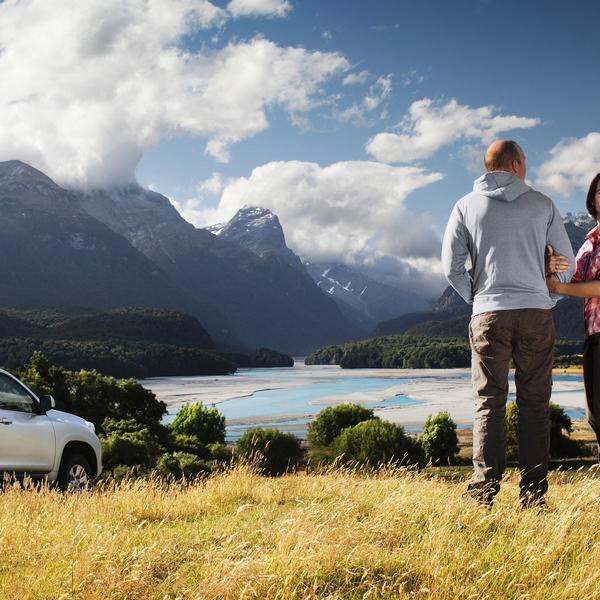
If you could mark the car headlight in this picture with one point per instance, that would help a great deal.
(90, 426)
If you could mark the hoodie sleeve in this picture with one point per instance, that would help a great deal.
(557, 238)
(455, 252)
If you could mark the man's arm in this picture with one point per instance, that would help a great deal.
(559, 240)
(455, 252)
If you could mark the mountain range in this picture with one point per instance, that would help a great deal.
(129, 246)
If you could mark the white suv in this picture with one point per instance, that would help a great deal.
(43, 443)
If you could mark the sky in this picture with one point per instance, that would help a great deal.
(359, 123)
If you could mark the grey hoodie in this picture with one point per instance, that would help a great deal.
(503, 227)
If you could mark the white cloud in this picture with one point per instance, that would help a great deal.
(88, 87)
(430, 125)
(572, 165)
(356, 78)
(258, 8)
(214, 185)
(350, 212)
(378, 93)
(347, 211)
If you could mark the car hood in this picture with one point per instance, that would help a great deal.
(63, 417)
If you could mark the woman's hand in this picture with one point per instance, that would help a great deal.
(555, 263)
(553, 284)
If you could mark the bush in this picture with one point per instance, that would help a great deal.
(439, 440)
(376, 442)
(273, 451)
(207, 425)
(561, 426)
(182, 465)
(330, 422)
(93, 396)
(128, 443)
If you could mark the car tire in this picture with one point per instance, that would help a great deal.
(75, 474)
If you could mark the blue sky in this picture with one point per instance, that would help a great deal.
(527, 61)
(358, 123)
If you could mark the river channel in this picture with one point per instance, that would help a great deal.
(289, 398)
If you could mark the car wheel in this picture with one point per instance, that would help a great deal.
(75, 474)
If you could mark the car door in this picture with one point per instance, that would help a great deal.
(27, 442)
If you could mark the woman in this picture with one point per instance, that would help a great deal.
(585, 283)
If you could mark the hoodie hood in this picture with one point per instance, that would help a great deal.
(500, 185)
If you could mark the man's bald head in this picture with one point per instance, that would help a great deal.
(505, 155)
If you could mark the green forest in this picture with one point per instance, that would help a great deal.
(131, 342)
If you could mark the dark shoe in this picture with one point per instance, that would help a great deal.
(483, 492)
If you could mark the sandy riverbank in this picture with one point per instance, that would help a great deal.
(434, 389)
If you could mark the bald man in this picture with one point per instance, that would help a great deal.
(502, 228)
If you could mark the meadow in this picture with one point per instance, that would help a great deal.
(337, 534)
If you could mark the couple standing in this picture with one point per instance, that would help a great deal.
(493, 255)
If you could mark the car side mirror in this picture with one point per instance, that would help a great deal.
(47, 403)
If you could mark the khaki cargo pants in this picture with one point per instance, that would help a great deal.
(526, 336)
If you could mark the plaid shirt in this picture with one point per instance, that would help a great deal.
(588, 268)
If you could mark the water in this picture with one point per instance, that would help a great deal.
(289, 398)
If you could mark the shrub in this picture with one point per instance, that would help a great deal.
(207, 425)
(93, 396)
(439, 440)
(128, 443)
(376, 442)
(273, 451)
(182, 465)
(330, 422)
(561, 445)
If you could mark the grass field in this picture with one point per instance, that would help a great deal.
(330, 535)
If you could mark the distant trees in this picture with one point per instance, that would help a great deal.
(396, 351)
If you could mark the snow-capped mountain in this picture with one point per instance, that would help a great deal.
(258, 230)
(375, 301)
(581, 219)
(362, 298)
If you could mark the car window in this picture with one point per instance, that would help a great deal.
(13, 396)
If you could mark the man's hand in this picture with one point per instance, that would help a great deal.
(555, 263)
(553, 284)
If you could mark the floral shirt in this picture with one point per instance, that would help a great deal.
(588, 268)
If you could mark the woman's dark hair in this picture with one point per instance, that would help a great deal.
(590, 201)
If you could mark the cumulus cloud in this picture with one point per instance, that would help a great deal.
(351, 212)
(88, 87)
(430, 125)
(258, 8)
(572, 165)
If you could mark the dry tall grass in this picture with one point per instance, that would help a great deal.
(334, 535)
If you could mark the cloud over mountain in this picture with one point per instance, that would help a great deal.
(89, 86)
(351, 212)
(429, 125)
(571, 166)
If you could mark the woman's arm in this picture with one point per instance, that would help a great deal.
(585, 289)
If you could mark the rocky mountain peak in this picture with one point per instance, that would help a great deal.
(258, 230)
